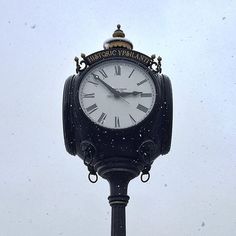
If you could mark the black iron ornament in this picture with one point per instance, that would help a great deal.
(117, 117)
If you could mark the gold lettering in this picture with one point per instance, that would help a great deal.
(99, 55)
(123, 52)
(91, 58)
(142, 58)
(118, 52)
(114, 53)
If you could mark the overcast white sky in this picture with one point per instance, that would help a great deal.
(44, 191)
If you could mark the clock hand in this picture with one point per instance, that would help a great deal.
(135, 93)
(114, 91)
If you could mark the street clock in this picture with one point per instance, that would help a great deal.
(117, 114)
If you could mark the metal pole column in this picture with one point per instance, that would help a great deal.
(118, 200)
(118, 221)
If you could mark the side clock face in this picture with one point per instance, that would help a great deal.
(117, 94)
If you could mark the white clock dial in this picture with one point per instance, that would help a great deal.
(117, 94)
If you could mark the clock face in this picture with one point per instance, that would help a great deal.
(117, 94)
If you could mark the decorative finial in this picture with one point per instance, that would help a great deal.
(118, 32)
(118, 40)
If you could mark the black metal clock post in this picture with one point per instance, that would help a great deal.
(116, 144)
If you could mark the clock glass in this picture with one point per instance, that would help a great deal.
(117, 94)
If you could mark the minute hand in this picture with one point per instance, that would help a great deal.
(115, 92)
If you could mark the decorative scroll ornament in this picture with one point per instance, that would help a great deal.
(155, 65)
(147, 151)
(81, 65)
(89, 152)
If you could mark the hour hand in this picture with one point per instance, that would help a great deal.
(135, 93)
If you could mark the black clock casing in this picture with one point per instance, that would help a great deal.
(154, 131)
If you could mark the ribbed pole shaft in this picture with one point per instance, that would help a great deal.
(118, 221)
(118, 200)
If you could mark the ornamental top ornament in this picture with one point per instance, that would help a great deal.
(118, 40)
(118, 46)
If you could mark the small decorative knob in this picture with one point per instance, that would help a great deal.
(83, 55)
(118, 32)
(153, 56)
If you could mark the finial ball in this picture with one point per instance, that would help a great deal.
(153, 56)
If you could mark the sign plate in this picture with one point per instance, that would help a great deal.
(118, 52)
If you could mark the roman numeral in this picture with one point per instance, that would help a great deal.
(91, 82)
(103, 73)
(145, 95)
(92, 108)
(117, 70)
(142, 108)
(131, 73)
(141, 82)
(132, 119)
(88, 95)
(102, 118)
(117, 121)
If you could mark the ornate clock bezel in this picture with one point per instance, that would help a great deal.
(145, 67)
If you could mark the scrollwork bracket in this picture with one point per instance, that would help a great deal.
(155, 65)
(81, 65)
